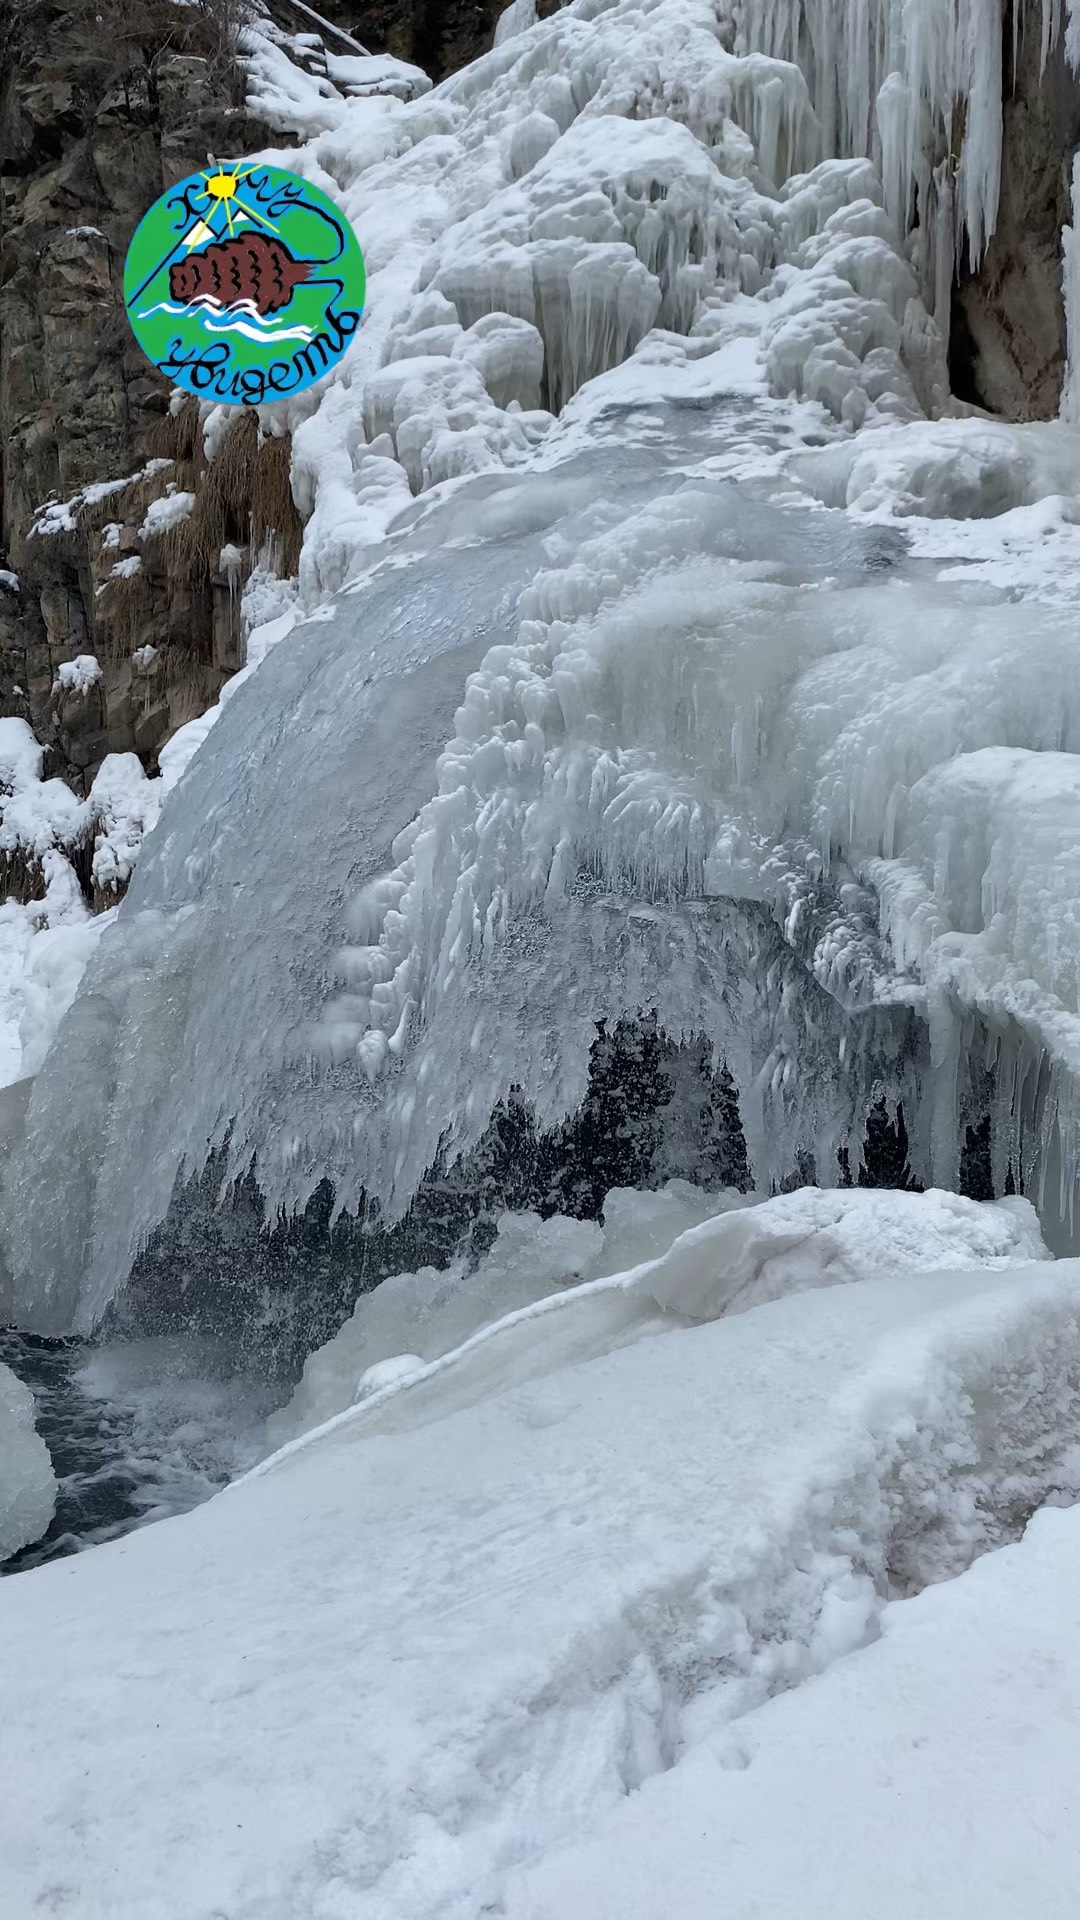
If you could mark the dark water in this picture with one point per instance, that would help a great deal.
(136, 1432)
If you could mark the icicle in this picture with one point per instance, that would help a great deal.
(1070, 242)
(1051, 29)
(1072, 34)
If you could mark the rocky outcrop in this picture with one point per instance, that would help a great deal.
(438, 35)
(93, 126)
(1008, 321)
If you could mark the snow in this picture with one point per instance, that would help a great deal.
(293, 100)
(9, 582)
(662, 643)
(694, 1254)
(79, 675)
(425, 1647)
(59, 516)
(933, 1773)
(27, 1481)
(124, 805)
(35, 815)
(361, 75)
(164, 514)
(46, 942)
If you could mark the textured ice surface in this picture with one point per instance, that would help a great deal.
(27, 1481)
(404, 1659)
(611, 736)
(598, 722)
(226, 948)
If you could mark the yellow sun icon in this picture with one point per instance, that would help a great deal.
(220, 190)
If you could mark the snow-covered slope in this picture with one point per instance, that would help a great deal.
(421, 1649)
(934, 1774)
(559, 1289)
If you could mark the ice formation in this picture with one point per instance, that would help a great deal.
(27, 1481)
(598, 721)
(692, 1255)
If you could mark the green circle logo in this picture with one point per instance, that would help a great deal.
(244, 283)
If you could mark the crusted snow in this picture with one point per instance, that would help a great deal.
(932, 1773)
(427, 1645)
(693, 1254)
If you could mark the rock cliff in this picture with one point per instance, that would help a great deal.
(97, 115)
(1008, 320)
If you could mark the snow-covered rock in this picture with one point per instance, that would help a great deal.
(27, 1481)
(79, 675)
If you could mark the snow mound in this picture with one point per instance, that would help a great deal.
(47, 939)
(694, 1255)
(124, 805)
(907, 1755)
(384, 1671)
(27, 1481)
(78, 676)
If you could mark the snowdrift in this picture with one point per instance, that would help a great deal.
(676, 1257)
(393, 1665)
(907, 1755)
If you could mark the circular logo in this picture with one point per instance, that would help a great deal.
(244, 283)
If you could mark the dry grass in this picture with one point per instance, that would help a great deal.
(21, 877)
(124, 612)
(108, 44)
(242, 498)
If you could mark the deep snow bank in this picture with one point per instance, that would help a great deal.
(389, 1667)
(681, 1253)
(935, 1772)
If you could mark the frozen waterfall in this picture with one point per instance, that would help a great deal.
(672, 648)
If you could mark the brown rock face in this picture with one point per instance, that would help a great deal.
(1007, 351)
(103, 103)
(438, 35)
